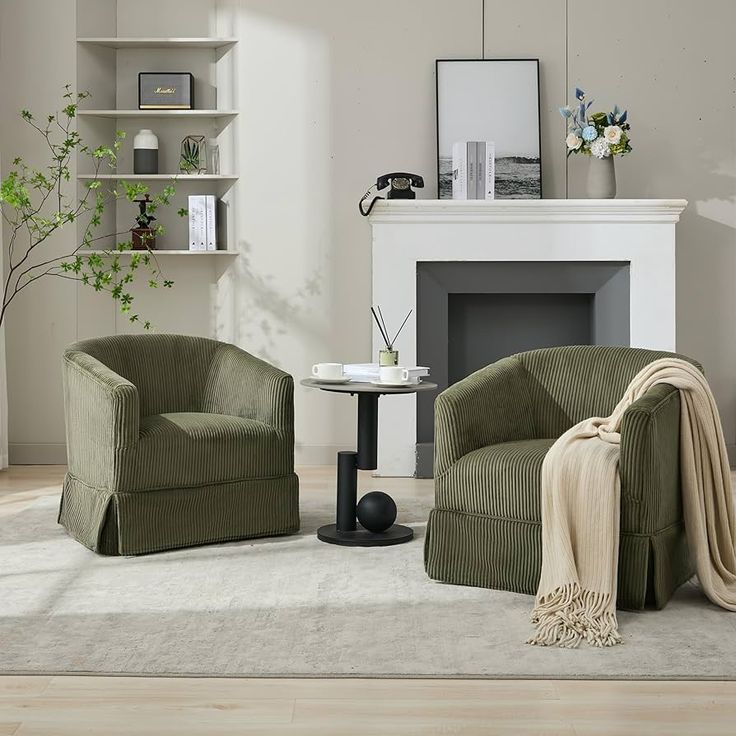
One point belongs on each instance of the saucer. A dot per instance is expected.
(333, 381)
(391, 384)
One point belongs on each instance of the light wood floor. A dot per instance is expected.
(74, 705)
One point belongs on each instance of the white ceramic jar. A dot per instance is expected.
(145, 152)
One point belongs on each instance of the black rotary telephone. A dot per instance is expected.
(401, 188)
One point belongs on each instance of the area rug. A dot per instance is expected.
(294, 606)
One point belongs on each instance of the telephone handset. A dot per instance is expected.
(401, 188)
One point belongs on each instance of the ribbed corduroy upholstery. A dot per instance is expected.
(174, 441)
(492, 431)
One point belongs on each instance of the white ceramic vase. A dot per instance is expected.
(601, 183)
(145, 152)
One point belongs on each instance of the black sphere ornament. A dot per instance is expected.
(376, 511)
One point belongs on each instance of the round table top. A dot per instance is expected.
(358, 387)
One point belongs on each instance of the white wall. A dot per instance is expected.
(37, 58)
(334, 93)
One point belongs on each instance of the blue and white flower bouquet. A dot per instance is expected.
(600, 134)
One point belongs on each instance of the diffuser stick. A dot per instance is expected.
(380, 328)
(389, 344)
(393, 342)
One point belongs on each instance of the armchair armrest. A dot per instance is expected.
(242, 385)
(489, 406)
(102, 416)
(650, 465)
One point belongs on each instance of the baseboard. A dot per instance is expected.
(37, 454)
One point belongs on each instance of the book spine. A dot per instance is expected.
(201, 223)
(192, 217)
(480, 155)
(211, 220)
(197, 223)
(490, 173)
(470, 177)
(459, 167)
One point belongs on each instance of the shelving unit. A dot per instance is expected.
(108, 67)
(200, 38)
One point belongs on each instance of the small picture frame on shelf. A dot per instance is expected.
(165, 91)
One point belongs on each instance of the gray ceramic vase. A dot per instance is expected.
(601, 182)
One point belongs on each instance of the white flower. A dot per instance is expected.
(599, 148)
(573, 142)
(612, 134)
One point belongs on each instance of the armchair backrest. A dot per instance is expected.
(169, 371)
(569, 384)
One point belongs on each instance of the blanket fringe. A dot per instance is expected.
(570, 614)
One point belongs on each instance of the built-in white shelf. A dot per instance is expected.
(157, 113)
(161, 177)
(160, 252)
(152, 42)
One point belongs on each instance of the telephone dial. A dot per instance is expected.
(401, 188)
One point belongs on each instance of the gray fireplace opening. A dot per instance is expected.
(470, 314)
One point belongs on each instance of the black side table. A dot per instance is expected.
(346, 530)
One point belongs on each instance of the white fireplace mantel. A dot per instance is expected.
(640, 232)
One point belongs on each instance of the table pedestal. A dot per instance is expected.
(345, 530)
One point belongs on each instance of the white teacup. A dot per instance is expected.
(328, 371)
(394, 374)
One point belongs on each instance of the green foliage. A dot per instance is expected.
(35, 205)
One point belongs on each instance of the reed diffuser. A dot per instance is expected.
(388, 355)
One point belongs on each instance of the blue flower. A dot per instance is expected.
(590, 133)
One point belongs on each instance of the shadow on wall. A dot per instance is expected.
(272, 315)
(705, 272)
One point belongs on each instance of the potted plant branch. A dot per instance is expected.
(36, 206)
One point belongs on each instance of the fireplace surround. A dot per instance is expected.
(612, 260)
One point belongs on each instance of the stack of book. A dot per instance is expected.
(473, 170)
(202, 222)
(367, 372)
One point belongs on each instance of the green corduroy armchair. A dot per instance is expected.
(492, 431)
(175, 441)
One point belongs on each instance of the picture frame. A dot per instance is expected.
(471, 94)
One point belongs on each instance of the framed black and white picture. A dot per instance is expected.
(493, 100)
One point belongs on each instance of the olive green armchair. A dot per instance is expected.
(492, 431)
(175, 441)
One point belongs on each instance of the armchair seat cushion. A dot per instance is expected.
(502, 480)
(185, 449)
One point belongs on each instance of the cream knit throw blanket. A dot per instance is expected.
(581, 493)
